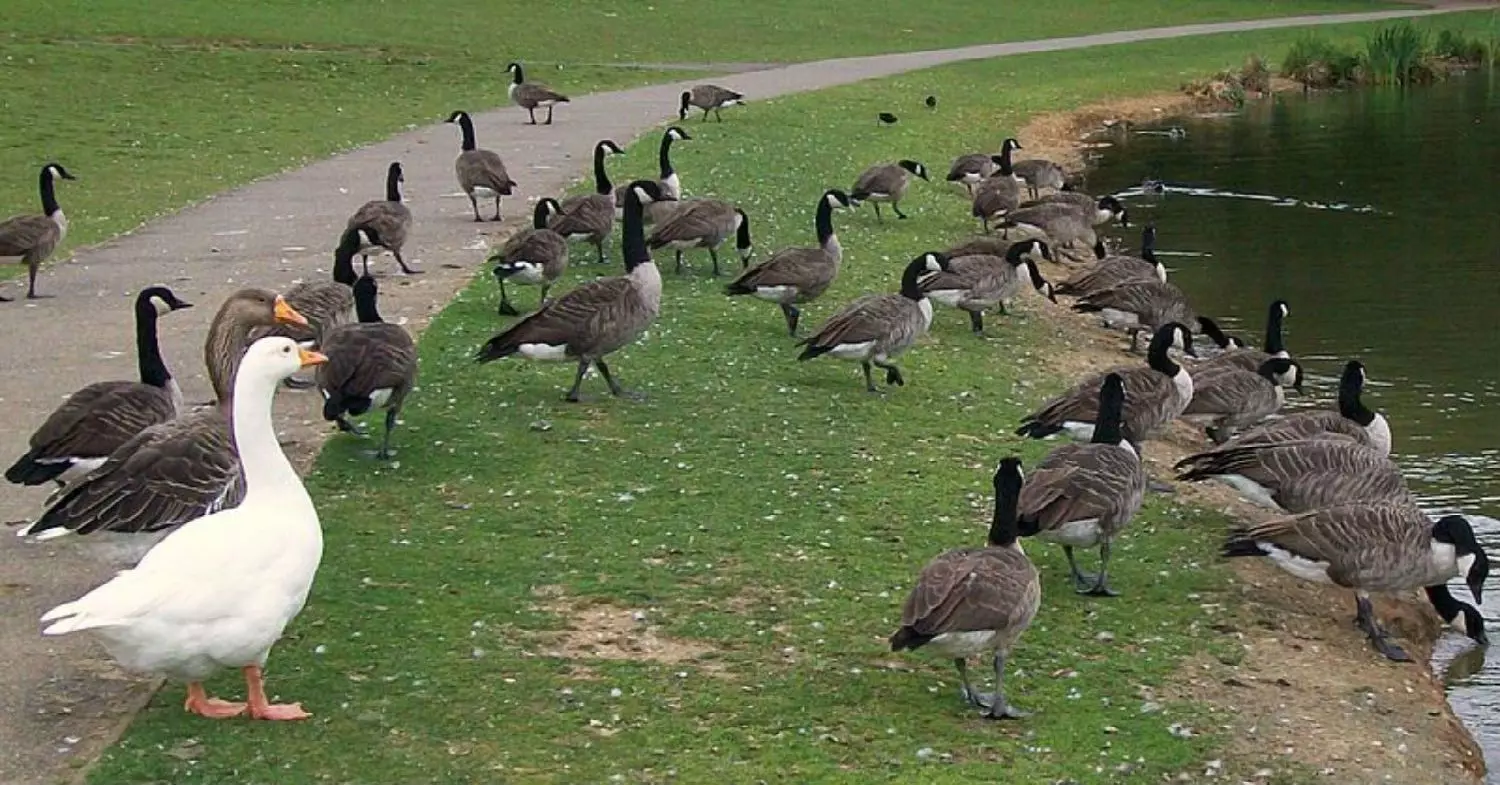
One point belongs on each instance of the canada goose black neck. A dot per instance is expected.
(742, 232)
(1274, 344)
(1451, 608)
(393, 183)
(1351, 389)
(1148, 243)
(1211, 328)
(542, 212)
(49, 195)
(602, 185)
(1004, 527)
(911, 277)
(1004, 160)
(1456, 531)
(664, 153)
(466, 126)
(633, 233)
(366, 298)
(823, 220)
(343, 257)
(517, 75)
(147, 350)
(1107, 430)
(682, 109)
(1159, 355)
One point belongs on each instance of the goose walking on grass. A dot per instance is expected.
(371, 365)
(976, 601)
(532, 95)
(886, 183)
(535, 257)
(704, 223)
(590, 218)
(1250, 359)
(598, 317)
(386, 221)
(219, 591)
(1227, 398)
(1118, 270)
(971, 168)
(480, 172)
(93, 422)
(709, 98)
(670, 182)
(977, 283)
(1300, 476)
(1351, 421)
(33, 238)
(798, 275)
(1083, 495)
(1369, 547)
(875, 328)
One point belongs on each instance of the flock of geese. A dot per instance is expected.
(238, 542)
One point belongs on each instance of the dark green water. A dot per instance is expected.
(1374, 214)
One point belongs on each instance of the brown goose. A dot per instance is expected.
(886, 183)
(973, 601)
(1300, 476)
(371, 365)
(1155, 394)
(532, 95)
(1083, 495)
(709, 98)
(1040, 218)
(1227, 398)
(996, 195)
(1141, 306)
(387, 220)
(324, 304)
(970, 169)
(537, 256)
(798, 275)
(987, 245)
(91, 423)
(591, 217)
(875, 328)
(1352, 421)
(1118, 269)
(1040, 173)
(33, 238)
(181, 469)
(977, 283)
(704, 223)
(598, 317)
(1369, 547)
(1254, 358)
(671, 184)
(480, 172)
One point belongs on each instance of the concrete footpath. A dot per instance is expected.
(61, 701)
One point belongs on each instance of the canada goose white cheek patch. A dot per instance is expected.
(544, 351)
(1465, 563)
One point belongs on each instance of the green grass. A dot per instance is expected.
(768, 511)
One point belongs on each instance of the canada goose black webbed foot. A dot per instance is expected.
(1379, 638)
(1100, 588)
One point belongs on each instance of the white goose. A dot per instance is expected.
(219, 591)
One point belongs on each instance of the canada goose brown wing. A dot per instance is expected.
(1151, 400)
(1154, 302)
(709, 221)
(810, 270)
(592, 215)
(537, 246)
(1108, 273)
(971, 166)
(1078, 482)
(533, 94)
(707, 96)
(166, 475)
(964, 273)
(1305, 475)
(874, 317)
(1300, 426)
(1244, 358)
(993, 201)
(96, 420)
(366, 357)
(29, 234)
(979, 246)
(1230, 389)
(972, 590)
(388, 220)
(882, 179)
(575, 320)
(484, 169)
(1362, 542)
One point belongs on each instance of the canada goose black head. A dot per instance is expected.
(648, 191)
(1282, 372)
(931, 102)
(457, 117)
(1010, 145)
(920, 268)
(742, 242)
(56, 170)
(1115, 208)
(607, 147)
(1460, 615)
(1019, 252)
(1008, 481)
(1454, 531)
(1169, 336)
(914, 167)
(677, 134)
(1211, 328)
(160, 300)
(514, 69)
(837, 199)
(682, 107)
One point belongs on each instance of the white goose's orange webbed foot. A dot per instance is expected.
(200, 704)
(262, 709)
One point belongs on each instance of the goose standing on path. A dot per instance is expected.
(1251, 359)
(1083, 495)
(598, 317)
(708, 98)
(387, 221)
(81, 433)
(886, 183)
(875, 328)
(1381, 547)
(973, 601)
(704, 223)
(33, 238)
(1352, 421)
(977, 283)
(219, 591)
(480, 172)
(798, 275)
(532, 95)
(536, 256)
(1227, 398)
(181, 469)
(591, 217)
(371, 365)
(1300, 476)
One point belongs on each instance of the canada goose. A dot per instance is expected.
(1460, 615)
(877, 327)
(978, 283)
(181, 469)
(1274, 346)
(479, 171)
(371, 365)
(1040, 173)
(970, 169)
(81, 433)
(886, 183)
(1067, 195)
(324, 304)
(34, 237)
(708, 98)
(1139, 306)
(591, 217)
(1352, 421)
(1037, 218)
(886, 118)
(1117, 269)
(1300, 476)
(996, 195)
(1067, 231)
(704, 223)
(1369, 547)
(1222, 341)
(1227, 398)
(530, 95)
(1155, 394)
(387, 219)
(671, 184)
(1083, 495)
(599, 316)
(537, 256)
(986, 245)
(972, 601)
(798, 275)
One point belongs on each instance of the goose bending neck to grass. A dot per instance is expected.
(536, 256)
(33, 238)
(599, 316)
(371, 365)
(709, 98)
(219, 591)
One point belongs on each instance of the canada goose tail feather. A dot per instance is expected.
(812, 350)
(908, 638)
(1037, 429)
(1240, 544)
(27, 470)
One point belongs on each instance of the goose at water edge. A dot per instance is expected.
(218, 592)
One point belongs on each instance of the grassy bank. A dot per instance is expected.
(698, 588)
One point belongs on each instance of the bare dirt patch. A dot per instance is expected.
(605, 631)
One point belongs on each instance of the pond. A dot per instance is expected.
(1373, 213)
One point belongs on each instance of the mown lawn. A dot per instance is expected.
(759, 519)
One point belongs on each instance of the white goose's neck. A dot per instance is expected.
(267, 470)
